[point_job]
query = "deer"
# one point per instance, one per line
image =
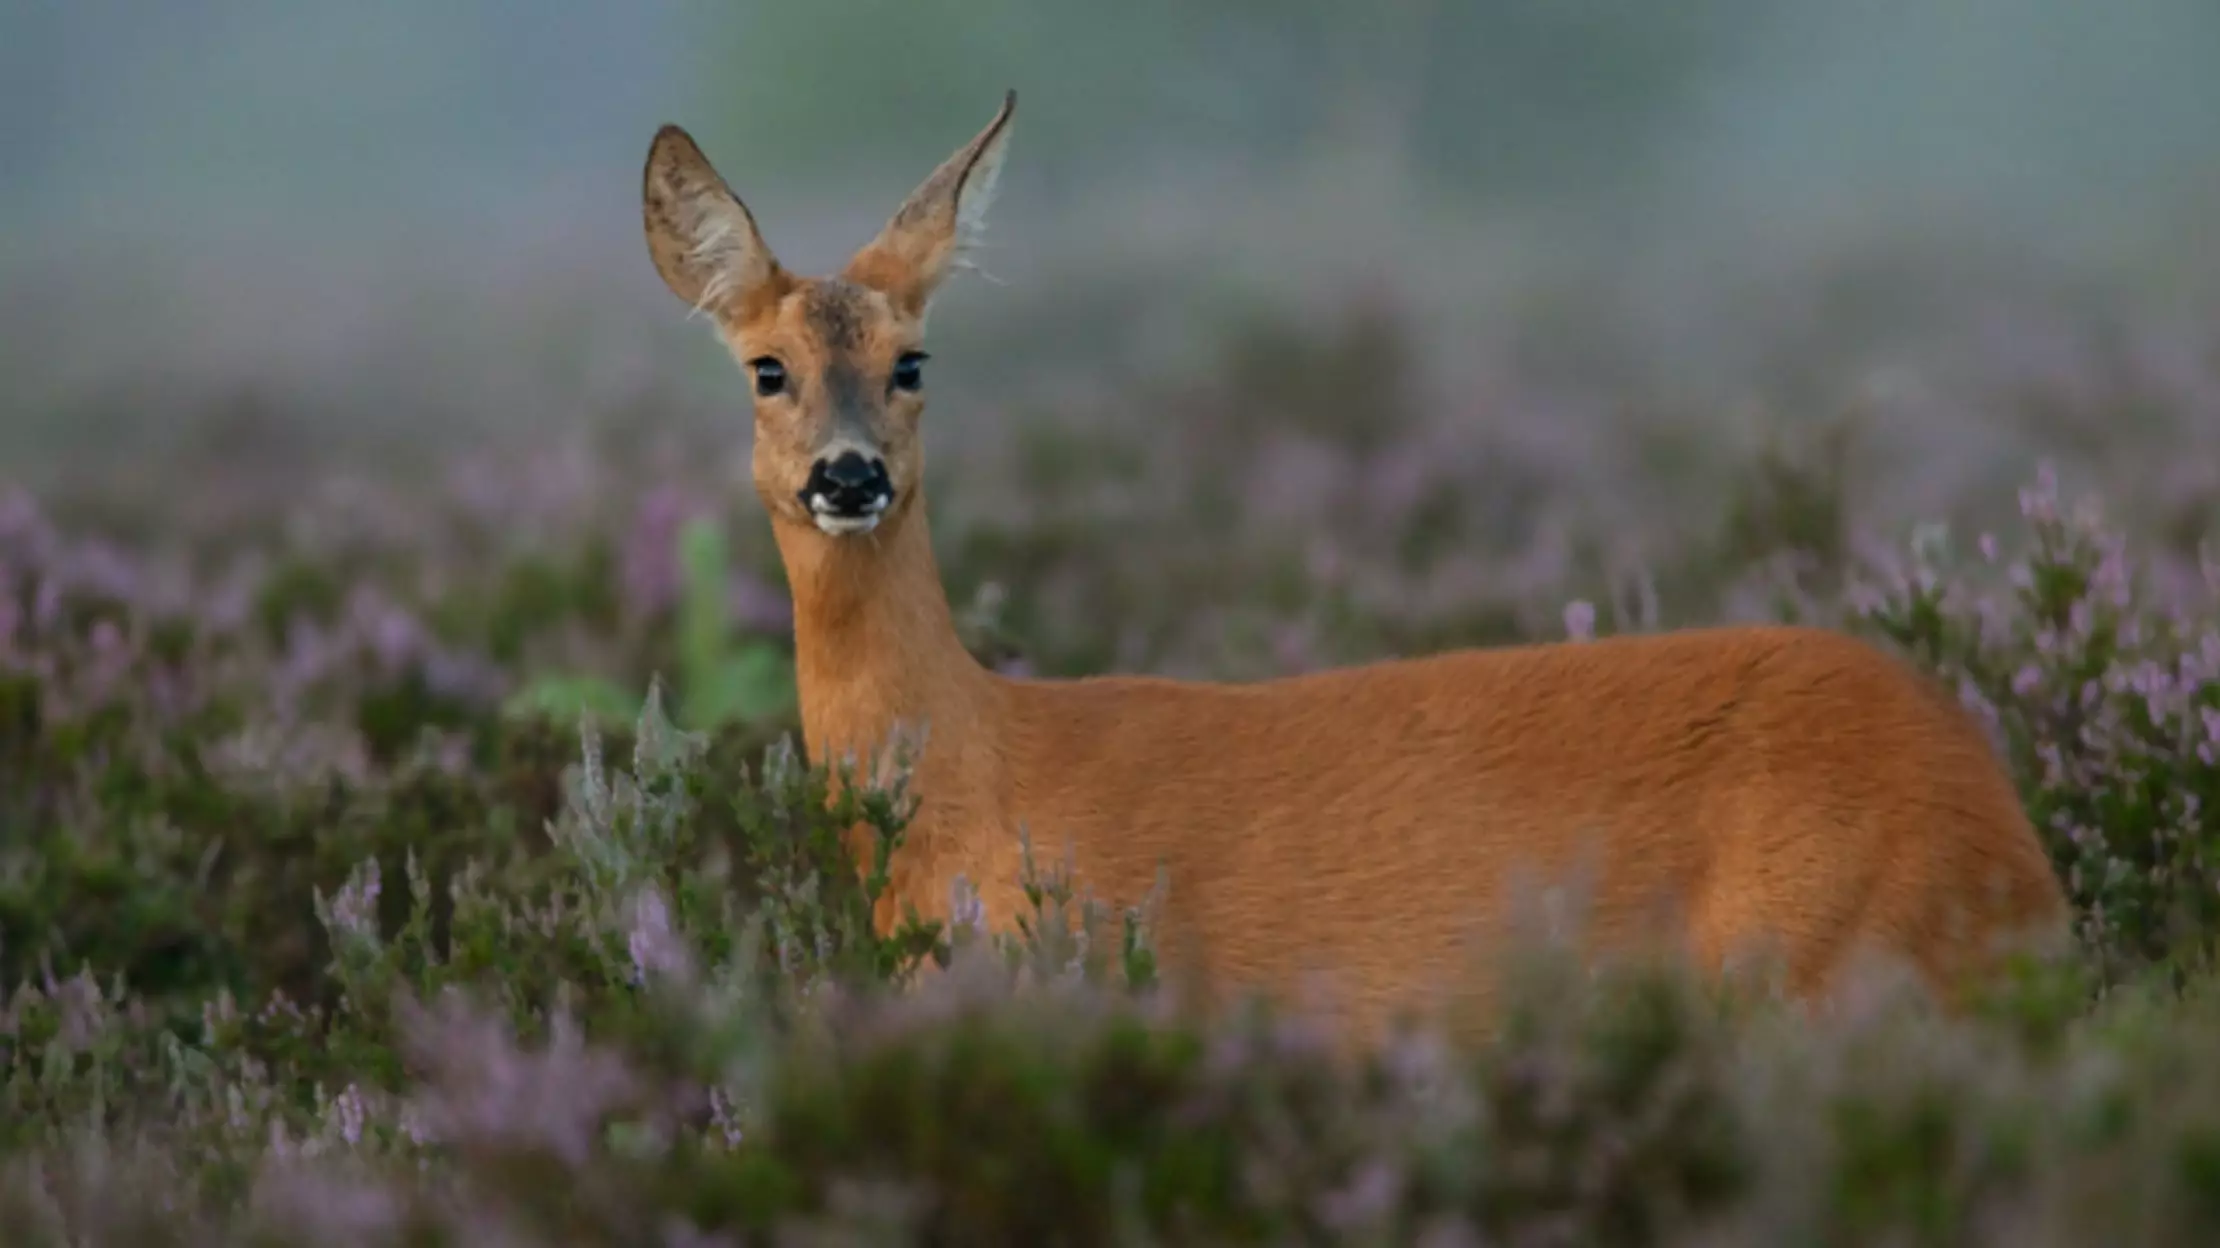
(1724, 789)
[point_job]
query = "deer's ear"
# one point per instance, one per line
(940, 221)
(701, 237)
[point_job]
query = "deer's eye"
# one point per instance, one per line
(770, 375)
(909, 371)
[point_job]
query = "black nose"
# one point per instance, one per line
(848, 486)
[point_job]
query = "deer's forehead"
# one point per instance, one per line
(840, 315)
(829, 322)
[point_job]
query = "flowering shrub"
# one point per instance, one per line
(2103, 690)
(312, 931)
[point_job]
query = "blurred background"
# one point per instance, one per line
(1430, 315)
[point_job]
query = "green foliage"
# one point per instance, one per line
(535, 590)
(557, 696)
(750, 683)
(718, 682)
(1794, 502)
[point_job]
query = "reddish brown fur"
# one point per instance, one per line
(1730, 788)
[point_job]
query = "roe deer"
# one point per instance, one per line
(1779, 785)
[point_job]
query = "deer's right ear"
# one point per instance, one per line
(700, 235)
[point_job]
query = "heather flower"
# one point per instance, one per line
(656, 950)
(758, 607)
(82, 1010)
(1580, 620)
(276, 757)
(351, 914)
(325, 1206)
(967, 911)
(2101, 701)
(649, 569)
(346, 1115)
(484, 1093)
(724, 1118)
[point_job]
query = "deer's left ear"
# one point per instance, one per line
(942, 219)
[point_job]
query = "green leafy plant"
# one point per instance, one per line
(719, 681)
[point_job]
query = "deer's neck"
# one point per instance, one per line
(874, 642)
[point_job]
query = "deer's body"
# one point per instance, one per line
(1780, 790)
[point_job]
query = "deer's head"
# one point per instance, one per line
(837, 363)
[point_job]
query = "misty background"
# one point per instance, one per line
(382, 228)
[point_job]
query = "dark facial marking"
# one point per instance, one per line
(844, 388)
(835, 313)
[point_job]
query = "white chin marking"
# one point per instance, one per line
(846, 526)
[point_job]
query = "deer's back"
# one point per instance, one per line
(1766, 781)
